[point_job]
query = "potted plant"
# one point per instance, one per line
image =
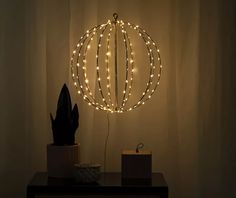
(63, 153)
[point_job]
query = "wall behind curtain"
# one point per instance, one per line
(189, 124)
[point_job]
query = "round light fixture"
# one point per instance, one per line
(114, 81)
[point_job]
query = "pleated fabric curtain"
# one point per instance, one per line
(189, 124)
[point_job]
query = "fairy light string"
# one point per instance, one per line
(111, 95)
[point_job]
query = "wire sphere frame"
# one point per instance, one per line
(79, 65)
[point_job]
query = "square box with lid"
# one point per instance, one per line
(136, 165)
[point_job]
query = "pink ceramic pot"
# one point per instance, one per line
(61, 160)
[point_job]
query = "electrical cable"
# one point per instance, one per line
(106, 141)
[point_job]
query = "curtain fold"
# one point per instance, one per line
(189, 124)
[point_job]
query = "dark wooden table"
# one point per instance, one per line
(109, 184)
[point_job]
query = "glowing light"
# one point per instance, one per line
(108, 96)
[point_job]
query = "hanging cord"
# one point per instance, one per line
(106, 141)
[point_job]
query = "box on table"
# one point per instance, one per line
(136, 165)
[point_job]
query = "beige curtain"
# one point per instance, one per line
(189, 124)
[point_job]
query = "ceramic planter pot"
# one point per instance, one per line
(61, 160)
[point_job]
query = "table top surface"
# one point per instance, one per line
(111, 179)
